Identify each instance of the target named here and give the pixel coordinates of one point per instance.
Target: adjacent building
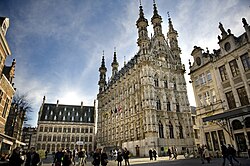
(7, 89)
(66, 127)
(221, 83)
(144, 105)
(29, 137)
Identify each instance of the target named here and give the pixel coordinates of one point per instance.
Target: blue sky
(58, 44)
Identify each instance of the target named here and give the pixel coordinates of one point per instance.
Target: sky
(58, 44)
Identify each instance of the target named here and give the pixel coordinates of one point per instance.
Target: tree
(22, 102)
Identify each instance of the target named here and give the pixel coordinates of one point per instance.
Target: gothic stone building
(65, 127)
(7, 89)
(145, 105)
(221, 83)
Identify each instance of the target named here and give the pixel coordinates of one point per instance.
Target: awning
(236, 112)
(21, 143)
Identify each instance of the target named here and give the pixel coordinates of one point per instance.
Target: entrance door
(241, 142)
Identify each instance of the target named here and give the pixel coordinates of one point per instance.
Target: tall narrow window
(156, 82)
(230, 100)
(6, 105)
(203, 78)
(208, 140)
(181, 132)
(168, 106)
(243, 96)
(245, 61)
(207, 97)
(223, 73)
(165, 84)
(158, 104)
(1, 95)
(40, 137)
(161, 135)
(234, 67)
(209, 77)
(177, 107)
(171, 130)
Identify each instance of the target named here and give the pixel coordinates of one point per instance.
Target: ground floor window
(241, 142)
(208, 140)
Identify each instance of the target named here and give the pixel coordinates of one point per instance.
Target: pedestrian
(201, 150)
(104, 158)
(206, 154)
(119, 158)
(96, 157)
(126, 155)
(150, 154)
(58, 157)
(15, 158)
(154, 154)
(169, 153)
(232, 153)
(67, 158)
(225, 155)
(174, 151)
(82, 156)
(32, 157)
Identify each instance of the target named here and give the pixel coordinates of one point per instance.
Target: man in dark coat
(15, 158)
(150, 154)
(155, 154)
(33, 158)
(126, 156)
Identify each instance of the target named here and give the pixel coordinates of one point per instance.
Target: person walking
(32, 158)
(58, 157)
(232, 153)
(225, 155)
(104, 158)
(119, 158)
(154, 154)
(15, 158)
(206, 154)
(126, 154)
(169, 153)
(201, 150)
(96, 157)
(82, 157)
(150, 154)
(67, 158)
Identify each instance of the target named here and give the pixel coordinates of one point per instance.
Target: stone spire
(247, 28)
(172, 35)
(102, 81)
(223, 32)
(143, 39)
(156, 21)
(114, 65)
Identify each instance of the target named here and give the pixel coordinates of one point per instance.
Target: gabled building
(145, 105)
(7, 89)
(66, 127)
(221, 83)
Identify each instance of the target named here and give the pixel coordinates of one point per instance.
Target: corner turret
(114, 65)
(102, 81)
(156, 21)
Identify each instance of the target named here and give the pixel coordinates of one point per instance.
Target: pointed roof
(156, 15)
(141, 17)
(114, 59)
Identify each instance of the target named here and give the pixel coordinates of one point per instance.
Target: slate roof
(67, 113)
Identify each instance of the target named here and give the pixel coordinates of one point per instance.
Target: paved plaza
(181, 161)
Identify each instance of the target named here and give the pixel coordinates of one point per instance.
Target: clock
(198, 61)
(227, 46)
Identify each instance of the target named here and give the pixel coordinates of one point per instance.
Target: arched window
(43, 146)
(165, 84)
(45, 138)
(237, 125)
(177, 107)
(168, 106)
(161, 135)
(58, 138)
(48, 147)
(171, 130)
(38, 146)
(53, 148)
(247, 122)
(40, 137)
(181, 132)
(90, 148)
(156, 81)
(158, 104)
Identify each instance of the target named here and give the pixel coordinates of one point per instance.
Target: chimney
(81, 104)
(57, 103)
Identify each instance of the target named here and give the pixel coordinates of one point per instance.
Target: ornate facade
(7, 89)
(66, 127)
(221, 83)
(145, 105)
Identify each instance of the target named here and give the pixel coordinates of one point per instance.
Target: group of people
(100, 157)
(228, 154)
(19, 158)
(172, 153)
(152, 154)
(68, 158)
